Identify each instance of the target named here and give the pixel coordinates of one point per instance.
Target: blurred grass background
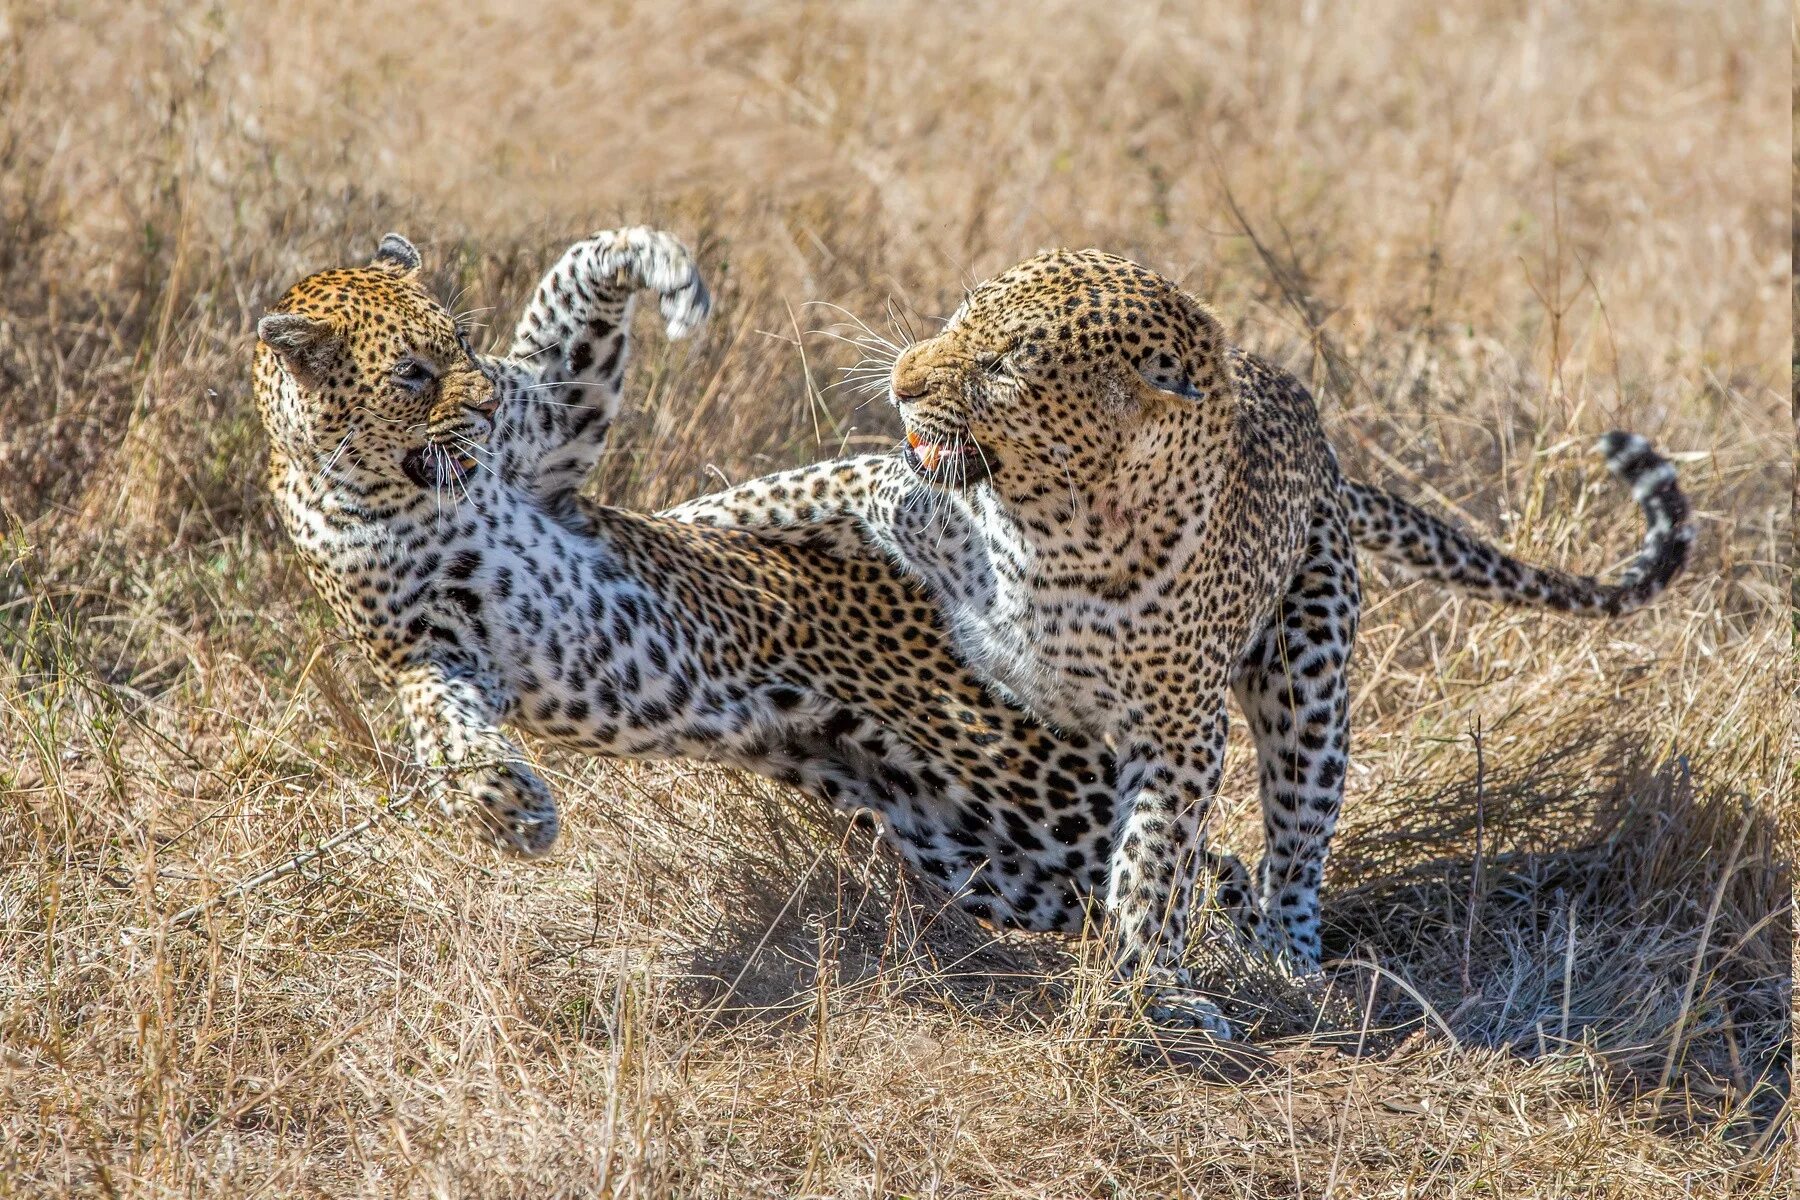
(1484, 233)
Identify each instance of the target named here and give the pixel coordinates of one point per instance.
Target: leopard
(1126, 522)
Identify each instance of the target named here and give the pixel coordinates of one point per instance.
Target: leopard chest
(1054, 648)
(1055, 623)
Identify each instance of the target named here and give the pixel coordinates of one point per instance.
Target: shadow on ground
(1581, 902)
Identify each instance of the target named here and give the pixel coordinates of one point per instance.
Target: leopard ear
(1187, 362)
(398, 255)
(307, 346)
(1168, 374)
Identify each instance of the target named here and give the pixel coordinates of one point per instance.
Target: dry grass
(1487, 232)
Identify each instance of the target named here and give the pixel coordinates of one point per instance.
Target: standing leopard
(1125, 520)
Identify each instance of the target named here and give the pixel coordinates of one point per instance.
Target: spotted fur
(1126, 519)
(428, 491)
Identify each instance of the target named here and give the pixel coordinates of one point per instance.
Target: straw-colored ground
(1485, 232)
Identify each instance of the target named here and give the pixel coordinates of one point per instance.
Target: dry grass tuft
(1484, 233)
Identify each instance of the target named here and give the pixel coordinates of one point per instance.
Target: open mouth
(435, 467)
(958, 465)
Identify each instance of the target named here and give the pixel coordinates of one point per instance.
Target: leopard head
(360, 371)
(1056, 374)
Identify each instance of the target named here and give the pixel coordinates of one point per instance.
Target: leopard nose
(910, 381)
(488, 404)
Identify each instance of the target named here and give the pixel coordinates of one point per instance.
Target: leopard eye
(413, 375)
(997, 366)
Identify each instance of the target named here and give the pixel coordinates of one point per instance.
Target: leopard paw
(1167, 1000)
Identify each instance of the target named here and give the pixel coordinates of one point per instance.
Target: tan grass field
(1484, 232)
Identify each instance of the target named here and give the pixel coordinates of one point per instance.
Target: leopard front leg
(845, 506)
(1166, 787)
(461, 747)
(564, 373)
(1293, 689)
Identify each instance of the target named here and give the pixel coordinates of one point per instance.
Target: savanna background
(1484, 232)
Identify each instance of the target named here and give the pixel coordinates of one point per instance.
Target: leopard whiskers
(331, 460)
(475, 450)
(524, 357)
(867, 337)
(549, 384)
(462, 321)
(900, 321)
(433, 453)
(1069, 478)
(370, 411)
(871, 367)
(459, 294)
(986, 466)
(459, 484)
(869, 375)
(443, 477)
(879, 351)
(525, 391)
(448, 474)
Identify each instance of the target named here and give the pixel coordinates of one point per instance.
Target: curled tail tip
(1634, 462)
(1622, 450)
(1654, 486)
